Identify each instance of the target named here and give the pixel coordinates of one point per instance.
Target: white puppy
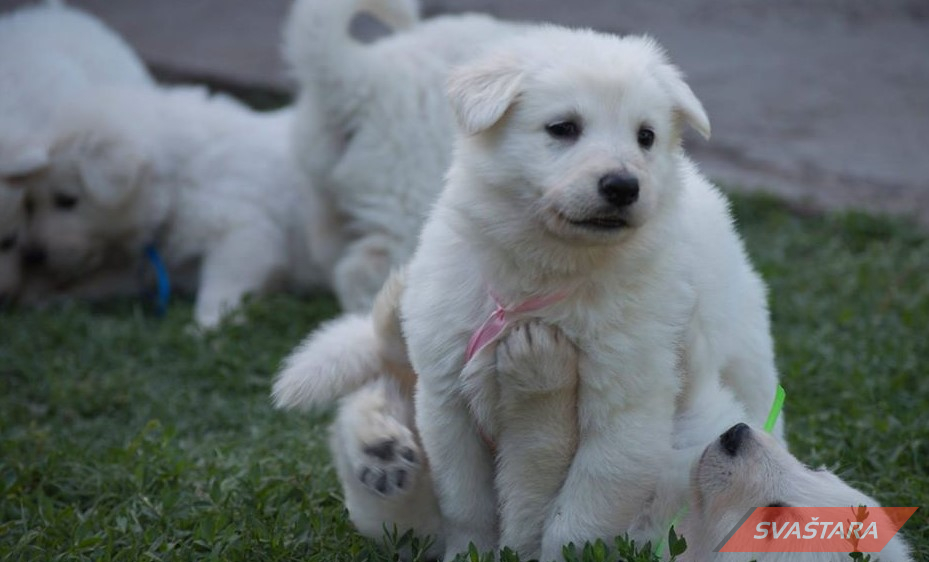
(375, 446)
(745, 469)
(374, 130)
(48, 54)
(570, 195)
(209, 183)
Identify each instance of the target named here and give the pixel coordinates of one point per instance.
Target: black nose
(34, 256)
(619, 189)
(734, 437)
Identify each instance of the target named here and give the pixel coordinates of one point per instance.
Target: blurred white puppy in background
(374, 131)
(209, 183)
(570, 195)
(48, 54)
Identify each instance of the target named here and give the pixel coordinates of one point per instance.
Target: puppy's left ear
(685, 100)
(481, 92)
(112, 172)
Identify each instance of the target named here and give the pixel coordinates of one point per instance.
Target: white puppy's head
(83, 203)
(576, 131)
(745, 469)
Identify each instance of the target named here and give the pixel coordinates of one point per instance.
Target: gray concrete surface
(823, 101)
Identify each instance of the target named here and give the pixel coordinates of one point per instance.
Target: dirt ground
(823, 101)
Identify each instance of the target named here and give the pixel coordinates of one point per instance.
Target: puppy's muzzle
(731, 441)
(619, 189)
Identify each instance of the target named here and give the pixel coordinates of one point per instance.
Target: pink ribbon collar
(501, 317)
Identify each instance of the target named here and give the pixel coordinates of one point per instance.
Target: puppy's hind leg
(362, 270)
(381, 466)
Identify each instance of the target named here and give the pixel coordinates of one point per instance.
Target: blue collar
(163, 290)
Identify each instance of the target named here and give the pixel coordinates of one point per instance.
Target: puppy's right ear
(111, 171)
(481, 92)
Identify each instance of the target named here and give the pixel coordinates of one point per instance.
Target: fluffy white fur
(374, 130)
(663, 305)
(48, 54)
(210, 183)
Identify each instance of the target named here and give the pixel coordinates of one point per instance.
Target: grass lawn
(123, 438)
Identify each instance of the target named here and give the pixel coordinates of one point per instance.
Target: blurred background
(825, 102)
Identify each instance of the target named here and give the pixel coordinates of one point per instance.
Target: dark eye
(564, 130)
(646, 137)
(64, 201)
(8, 243)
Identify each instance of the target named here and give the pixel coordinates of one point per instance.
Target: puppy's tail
(317, 42)
(346, 353)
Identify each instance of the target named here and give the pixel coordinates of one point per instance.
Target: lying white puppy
(206, 181)
(745, 469)
(570, 201)
(48, 54)
(374, 130)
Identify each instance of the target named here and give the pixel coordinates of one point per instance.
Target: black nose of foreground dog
(620, 190)
(34, 256)
(734, 437)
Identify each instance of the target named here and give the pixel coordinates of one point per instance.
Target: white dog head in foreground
(745, 469)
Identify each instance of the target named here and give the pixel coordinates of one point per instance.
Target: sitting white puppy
(48, 54)
(207, 182)
(745, 469)
(570, 200)
(374, 131)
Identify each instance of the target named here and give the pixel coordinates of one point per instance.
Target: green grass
(124, 438)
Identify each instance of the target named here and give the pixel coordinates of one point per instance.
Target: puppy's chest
(622, 340)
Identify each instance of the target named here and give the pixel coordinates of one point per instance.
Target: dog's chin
(600, 229)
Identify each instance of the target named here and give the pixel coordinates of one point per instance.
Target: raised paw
(536, 357)
(374, 441)
(388, 466)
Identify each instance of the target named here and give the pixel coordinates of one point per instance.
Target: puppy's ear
(685, 100)
(22, 161)
(111, 171)
(482, 91)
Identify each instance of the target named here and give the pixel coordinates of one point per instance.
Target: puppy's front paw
(536, 357)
